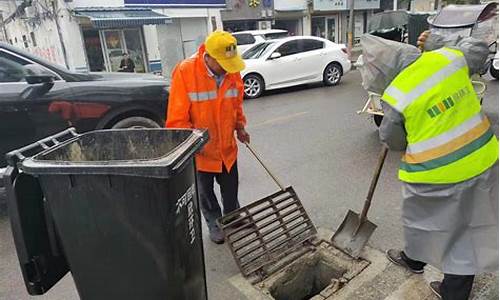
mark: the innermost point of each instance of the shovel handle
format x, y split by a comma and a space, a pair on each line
264, 166
373, 184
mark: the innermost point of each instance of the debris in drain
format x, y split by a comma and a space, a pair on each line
319, 275
305, 280
278, 250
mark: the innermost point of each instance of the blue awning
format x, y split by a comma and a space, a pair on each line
119, 17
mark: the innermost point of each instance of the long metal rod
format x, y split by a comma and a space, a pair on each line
265, 167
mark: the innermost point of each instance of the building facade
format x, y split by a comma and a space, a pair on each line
330, 18
242, 15
322, 18
83, 35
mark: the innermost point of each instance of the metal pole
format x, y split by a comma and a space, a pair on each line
437, 5
4, 31
58, 26
395, 4
350, 31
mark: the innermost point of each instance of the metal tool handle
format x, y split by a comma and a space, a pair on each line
373, 184
264, 166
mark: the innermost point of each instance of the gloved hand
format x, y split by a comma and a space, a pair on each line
422, 38
243, 135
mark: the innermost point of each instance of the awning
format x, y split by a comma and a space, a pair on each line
118, 17
387, 19
452, 16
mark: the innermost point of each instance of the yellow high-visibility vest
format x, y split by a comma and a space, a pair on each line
449, 138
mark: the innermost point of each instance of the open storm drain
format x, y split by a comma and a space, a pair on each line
307, 278
276, 247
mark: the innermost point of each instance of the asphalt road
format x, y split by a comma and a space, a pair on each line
312, 138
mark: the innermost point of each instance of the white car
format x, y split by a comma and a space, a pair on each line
494, 66
292, 61
249, 38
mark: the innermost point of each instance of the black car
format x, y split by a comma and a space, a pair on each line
38, 99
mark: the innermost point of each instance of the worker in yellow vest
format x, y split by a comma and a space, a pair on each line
449, 167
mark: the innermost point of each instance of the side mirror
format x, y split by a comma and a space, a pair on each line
275, 55
35, 79
35, 74
40, 81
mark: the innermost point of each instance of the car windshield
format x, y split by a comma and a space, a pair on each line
257, 50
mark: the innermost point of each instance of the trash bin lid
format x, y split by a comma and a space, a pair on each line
159, 153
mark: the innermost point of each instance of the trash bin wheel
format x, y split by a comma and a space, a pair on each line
493, 72
378, 119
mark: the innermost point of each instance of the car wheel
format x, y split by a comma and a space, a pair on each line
254, 86
378, 119
493, 72
332, 74
135, 122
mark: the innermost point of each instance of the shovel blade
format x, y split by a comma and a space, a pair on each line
349, 241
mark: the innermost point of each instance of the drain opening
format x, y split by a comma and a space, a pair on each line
305, 279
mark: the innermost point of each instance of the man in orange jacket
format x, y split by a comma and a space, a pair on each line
207, 92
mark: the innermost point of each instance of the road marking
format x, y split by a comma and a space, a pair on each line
279, 119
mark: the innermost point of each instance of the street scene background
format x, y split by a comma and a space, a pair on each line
313, 139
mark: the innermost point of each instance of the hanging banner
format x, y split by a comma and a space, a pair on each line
176, 3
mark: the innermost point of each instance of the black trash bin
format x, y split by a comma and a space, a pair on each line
118, 208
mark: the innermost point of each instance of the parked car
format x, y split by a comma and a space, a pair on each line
249, 38
39, 98
292, 61
494, 66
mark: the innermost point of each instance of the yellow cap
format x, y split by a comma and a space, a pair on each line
221, 46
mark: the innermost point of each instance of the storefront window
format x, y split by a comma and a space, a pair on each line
318, 27
332, 29
134, 47
114, 48
94, 50
105, 49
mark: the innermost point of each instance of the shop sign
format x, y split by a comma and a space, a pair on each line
329, 5
176, 3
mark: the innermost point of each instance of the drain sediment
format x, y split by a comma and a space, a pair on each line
305, 279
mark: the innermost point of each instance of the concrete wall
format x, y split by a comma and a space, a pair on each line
180, 40
47, 42
152, 48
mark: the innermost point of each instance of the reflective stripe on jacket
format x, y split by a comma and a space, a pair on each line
195, 101
449, 138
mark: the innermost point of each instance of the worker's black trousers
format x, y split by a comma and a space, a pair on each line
228, 182
453, 287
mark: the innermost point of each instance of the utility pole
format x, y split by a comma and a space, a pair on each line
437, 5
58, 26
3, 34
350, 31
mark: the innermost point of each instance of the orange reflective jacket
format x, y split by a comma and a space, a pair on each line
196, 101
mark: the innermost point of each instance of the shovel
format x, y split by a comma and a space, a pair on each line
355, 231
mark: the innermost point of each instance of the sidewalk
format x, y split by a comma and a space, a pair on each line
382, 280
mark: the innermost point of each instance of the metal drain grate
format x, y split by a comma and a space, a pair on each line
267, 230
